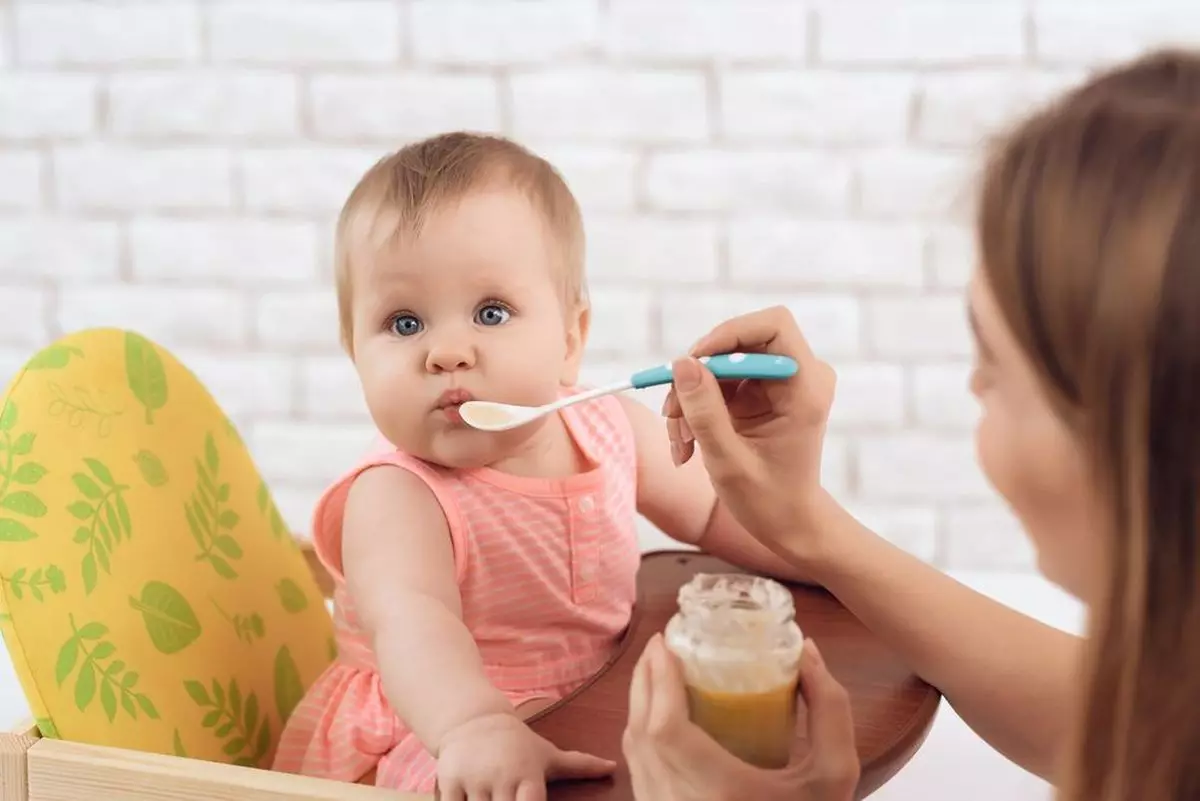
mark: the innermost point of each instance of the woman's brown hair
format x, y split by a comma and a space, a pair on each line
1089, 238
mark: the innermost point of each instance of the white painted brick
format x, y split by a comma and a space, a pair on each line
502, 32
598, 371
714, 180
103, 176
843, 253
651, 250
986, 536
596, 104
245, 385
868, 394
172, 316
651, 538
72, 32
822, 107
296, 504
35, 105
968, 108
7, 56
278, 32
308, 452
1105, 31
835, 467
921, 33
410, 105
204, 103
20, 179
910, 184
952, 255
715, 30
602, 179
330, 390
59, 248
302, 179
913, 528
300, 319
241, 251
915, 465
12, 359
830, 322
918, 326
620, 322
24, 321
942, 397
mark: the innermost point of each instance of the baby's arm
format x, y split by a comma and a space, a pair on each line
399, 567
398, 562
682, 503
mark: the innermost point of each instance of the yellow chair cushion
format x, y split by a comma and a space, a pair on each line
152, 596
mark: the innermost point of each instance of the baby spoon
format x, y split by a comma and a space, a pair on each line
493, 416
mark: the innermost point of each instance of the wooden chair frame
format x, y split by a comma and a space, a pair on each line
33, 768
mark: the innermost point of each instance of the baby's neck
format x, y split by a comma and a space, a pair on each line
550, 453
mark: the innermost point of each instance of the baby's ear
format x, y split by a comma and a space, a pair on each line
577, 321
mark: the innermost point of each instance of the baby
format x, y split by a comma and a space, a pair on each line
479, 576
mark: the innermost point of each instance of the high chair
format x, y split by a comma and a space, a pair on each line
160, 617
163, 622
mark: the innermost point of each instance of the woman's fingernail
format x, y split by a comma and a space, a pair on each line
686, 373
685, 431
676, 453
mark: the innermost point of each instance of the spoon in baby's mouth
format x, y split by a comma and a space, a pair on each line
495, 416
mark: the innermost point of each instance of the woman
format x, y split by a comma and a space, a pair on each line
1084, 311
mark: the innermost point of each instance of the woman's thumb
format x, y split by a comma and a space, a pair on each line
830, 719
704, 409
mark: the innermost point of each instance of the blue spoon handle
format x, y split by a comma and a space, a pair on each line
725, 366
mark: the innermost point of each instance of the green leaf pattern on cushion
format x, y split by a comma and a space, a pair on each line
170, 620
36, 584
233, 719
20, 505
208, 521
53, 357
103, 519
248, 627
89, 663
145, 374
99, 669
81, 408
151, 467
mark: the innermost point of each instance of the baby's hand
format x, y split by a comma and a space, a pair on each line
498, 758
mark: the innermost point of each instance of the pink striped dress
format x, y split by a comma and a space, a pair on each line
547, 571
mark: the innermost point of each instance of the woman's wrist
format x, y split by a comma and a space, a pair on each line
828, 539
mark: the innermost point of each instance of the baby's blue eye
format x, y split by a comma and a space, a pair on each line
492, 314
406, 325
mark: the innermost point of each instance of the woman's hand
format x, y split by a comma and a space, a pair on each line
671, 759
761, 441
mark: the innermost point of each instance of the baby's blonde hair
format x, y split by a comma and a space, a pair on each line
396, 193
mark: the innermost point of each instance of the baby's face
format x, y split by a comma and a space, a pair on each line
470, 308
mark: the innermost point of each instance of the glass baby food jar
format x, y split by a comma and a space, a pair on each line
739, 646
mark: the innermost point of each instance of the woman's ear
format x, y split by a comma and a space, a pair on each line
577, 321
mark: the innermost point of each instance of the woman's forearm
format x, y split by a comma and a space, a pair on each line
1013, 679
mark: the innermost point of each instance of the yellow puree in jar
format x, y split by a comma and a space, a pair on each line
758, 727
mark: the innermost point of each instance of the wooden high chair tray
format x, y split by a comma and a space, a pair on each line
893, 709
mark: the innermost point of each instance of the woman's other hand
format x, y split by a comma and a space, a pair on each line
671, 759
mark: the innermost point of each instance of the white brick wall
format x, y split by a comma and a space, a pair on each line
175, 166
